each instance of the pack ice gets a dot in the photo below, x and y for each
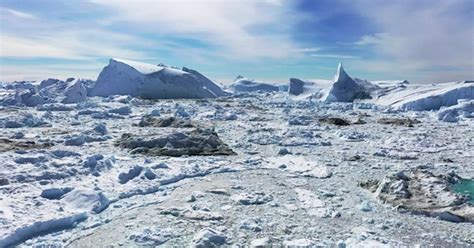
(125, 77)
(325, 163)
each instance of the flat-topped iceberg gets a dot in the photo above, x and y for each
(125, 77)
(421, 97)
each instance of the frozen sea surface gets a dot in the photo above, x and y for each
(65, 179)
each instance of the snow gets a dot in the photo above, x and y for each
(124, 77)
(142, 68)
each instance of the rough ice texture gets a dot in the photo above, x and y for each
(86, 200)
(465, 108)
(124, 77)
(422, 192)
(40, 228)
(242, 84)
(47, 91)
(198, 142)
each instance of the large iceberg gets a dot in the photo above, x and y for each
(427, 96)
(347, 89)
(242, 84)
(124, 77)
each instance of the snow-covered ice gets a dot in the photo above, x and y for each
(262, 168)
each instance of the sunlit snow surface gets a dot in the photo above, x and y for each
(294, 179)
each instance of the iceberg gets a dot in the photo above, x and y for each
(347, 89)
(125, 77)
(427, 96)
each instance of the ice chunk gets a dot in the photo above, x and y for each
(298, 243)
(86, 200)
(75, 92)
(208, 237)
(55, 193)
(260, 243)
(40, 228)
(252, 198)
(296, 86)
(125, 110)
(78, 140)
(124, 177)
(465, 108)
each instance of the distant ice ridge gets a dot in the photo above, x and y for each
(47, 91)
(125, 77)
(395, 94)
(242, 84)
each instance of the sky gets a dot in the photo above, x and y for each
(423, 41)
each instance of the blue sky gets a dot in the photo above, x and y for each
(419, 40)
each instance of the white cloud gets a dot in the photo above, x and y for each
(77, 44)
(236, 28)
(423, 40)
(333, 56)
(12, 46)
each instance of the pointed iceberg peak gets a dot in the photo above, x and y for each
(346, 89)
(238, 78)
(341, 75)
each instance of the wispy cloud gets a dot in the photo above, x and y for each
(240, 29)
(308, 50)
(423, 41)
(17, 13)
(419, 37)
(333, 56)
